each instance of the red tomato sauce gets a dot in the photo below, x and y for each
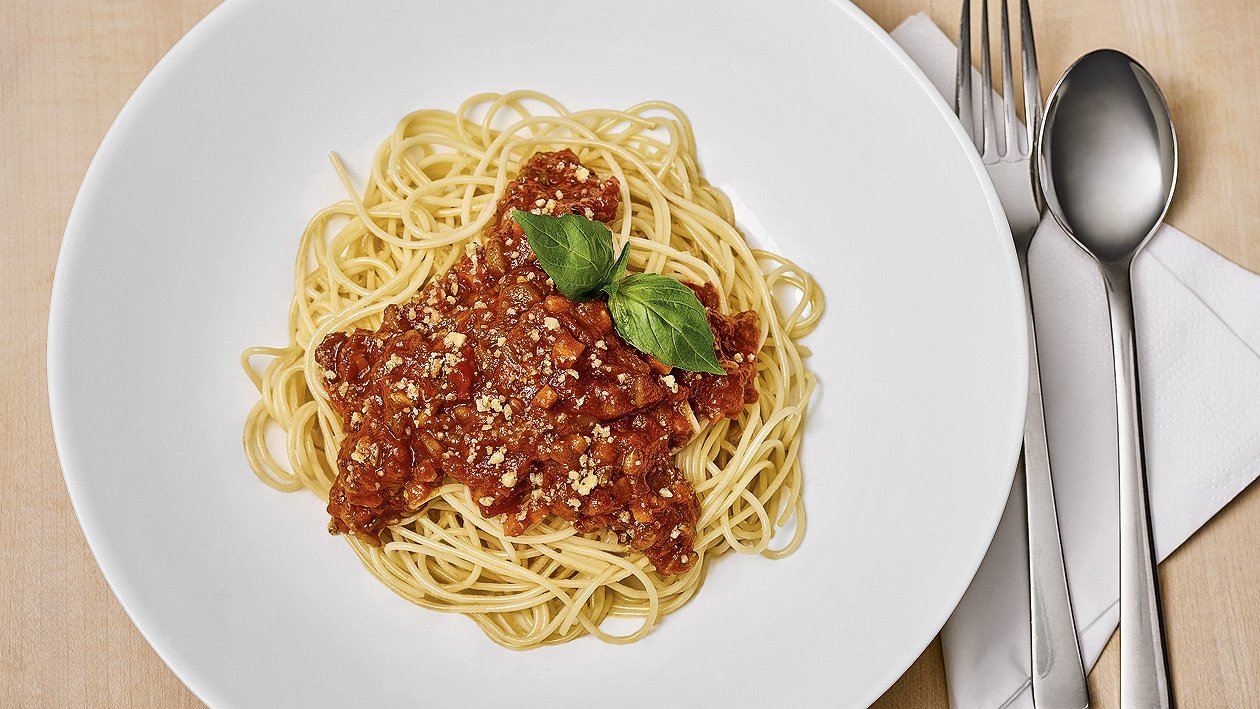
(489, 376)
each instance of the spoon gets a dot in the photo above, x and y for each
(1107, 159)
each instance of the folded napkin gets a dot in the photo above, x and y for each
(1198, 329)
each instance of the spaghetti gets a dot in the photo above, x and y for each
(432, 191)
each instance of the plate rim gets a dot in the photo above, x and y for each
(71, 237)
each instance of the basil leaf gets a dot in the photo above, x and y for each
(664, 318)
(618, 270)
(577, 253)
(610, 290)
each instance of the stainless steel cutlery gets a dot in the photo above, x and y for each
(1058, 676)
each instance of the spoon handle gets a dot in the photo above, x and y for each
(1058, 677)
(1144, 680)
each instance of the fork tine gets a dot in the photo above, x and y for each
(1011, 122)
(1032, 81)
(962, 81)
(987, 144)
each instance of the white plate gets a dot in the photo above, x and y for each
(179, 253)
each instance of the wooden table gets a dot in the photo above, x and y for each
(66, 68)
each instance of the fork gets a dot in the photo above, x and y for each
(1058, 676)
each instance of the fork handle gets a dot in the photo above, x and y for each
(1058, 675)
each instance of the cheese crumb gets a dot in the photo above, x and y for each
(455, 339)
(666, 493)
(582, 174)
(551, 323)
(486, 501)
(587, 484)
(393, 361)
(668, 381)
(361, 450)
(508, 479)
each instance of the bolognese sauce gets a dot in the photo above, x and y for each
(491, 377)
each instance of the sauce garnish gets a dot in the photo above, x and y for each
(491, 377)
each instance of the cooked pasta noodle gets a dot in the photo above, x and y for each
(431, 188)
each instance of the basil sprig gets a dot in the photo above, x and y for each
(654, 313)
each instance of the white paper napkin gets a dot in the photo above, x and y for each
(1198, 323)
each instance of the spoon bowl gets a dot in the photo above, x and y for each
(1108, 155)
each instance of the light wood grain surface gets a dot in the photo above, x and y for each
(67, 66)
